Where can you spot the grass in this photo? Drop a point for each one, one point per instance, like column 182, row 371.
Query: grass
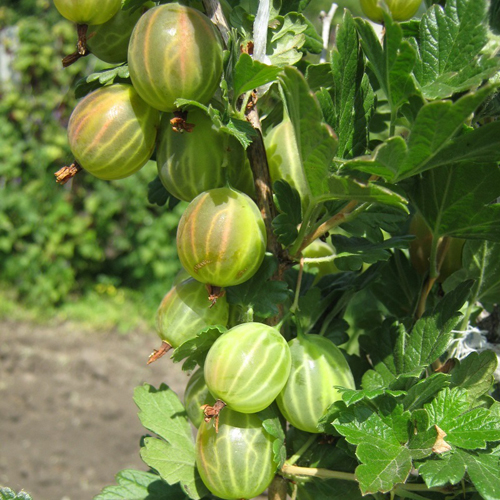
column 104, row 308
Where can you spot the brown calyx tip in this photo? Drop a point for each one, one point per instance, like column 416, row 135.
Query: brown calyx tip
column 158, row 353
column 214, row 293
column 248, row 48
column 63, row 175
column 213, row 412
column 81, row 46
column 179, row 123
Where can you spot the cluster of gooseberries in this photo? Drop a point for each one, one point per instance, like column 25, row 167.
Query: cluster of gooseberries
column 174, row 51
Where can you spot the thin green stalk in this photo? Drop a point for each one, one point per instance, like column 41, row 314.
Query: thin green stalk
column 302, row 450
column 295, row 305
column 310, row 214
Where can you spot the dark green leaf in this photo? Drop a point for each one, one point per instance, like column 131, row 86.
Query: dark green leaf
column 454, row 200
column 353, row 96
column 352, row 396
column 172, row 456
column 392, row 64
column 319, row 76
column 139, row 485
column 158, row 195
column 315, row 140
column 481, row 262
column 250, row 74
column 271, row 422
column 196, row 349
column 8, row 494
column 332, row 489
column 260, row 292
column 484, row 471
column 294, row 6
column 443, row 469
column 285, row 224
column 425, row 390
column 475, row 374
column 352, row 252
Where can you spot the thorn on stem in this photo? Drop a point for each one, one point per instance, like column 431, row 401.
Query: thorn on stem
column 158, row 353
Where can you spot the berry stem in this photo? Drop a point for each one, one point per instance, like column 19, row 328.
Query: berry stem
column 302, row 450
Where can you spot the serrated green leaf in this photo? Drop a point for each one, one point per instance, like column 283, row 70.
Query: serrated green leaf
column 484, row 471
column 285, row 224
column 139, row 485
column 260, row 292
column 465, row 428
column 481, row 262
column 195, row 350
column 425, row 390
column 475, row 374
column 443, row 469
column 354, row 98
column 421, row 443
column 450, row 44
column 315, row 140
column 454, row 200
column 95, row 80
column 393, row 63
column 352, row 252
column 173, row 456
column 296, row 24
column 8, row 494
column 385, row 462
column 352, row 396
column 271, row 422
column 241, row 130
column 434, row 126
column 250, row 74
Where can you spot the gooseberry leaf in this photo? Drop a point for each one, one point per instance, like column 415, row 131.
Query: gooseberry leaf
column 250, row 74
column 195, row 350
column 332, row 489
column 465, row 427
column 295, row 23
column 172, row 455
column 158, row 195
column 435, row 125
column 118, row 74
column 455, row 200
column 443, row 469
column 271, row 422
column 425, row 390
column 391, row 63
column 475, row 374
column 481, row 262
column 140, row 485
column 353, row 96
column 484, row 471
column 384, row 460
column 260, row 292
column 450, row 44
column 285, row 224
column 294, row 6
column 352, row 252
column 315, row 141
column 8, row 494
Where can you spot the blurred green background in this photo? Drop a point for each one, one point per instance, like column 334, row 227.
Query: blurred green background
column 91, row 251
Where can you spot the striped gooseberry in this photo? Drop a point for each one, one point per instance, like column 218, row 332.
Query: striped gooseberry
column 88, row 11
column 401, row 10
column 221, row 237
column 247, row 367
column 192, row 162
column 175, row 52
column 237, row 461
column 285, row 160
column 112, row 132
column 109, row 41
column 185, row 310
column 320, row 250
column 195, row 396
column 317, row 366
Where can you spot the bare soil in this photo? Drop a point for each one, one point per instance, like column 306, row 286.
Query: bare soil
column 68, row 422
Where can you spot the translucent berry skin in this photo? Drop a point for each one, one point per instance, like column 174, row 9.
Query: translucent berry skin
column 237, row 462
column 401, row 10
column 192, row 162
column 109, row 41
column 175, row 52
column 247, row 367
column 196, row 395
column 88, row 11
column 221, row 237
column 185, row 310
column 112, row 132
column 317, row 366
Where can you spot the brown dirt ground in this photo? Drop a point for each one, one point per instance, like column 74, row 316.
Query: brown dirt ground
column 68, row 423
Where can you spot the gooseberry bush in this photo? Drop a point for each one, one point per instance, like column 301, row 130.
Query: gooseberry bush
column 340, row 241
